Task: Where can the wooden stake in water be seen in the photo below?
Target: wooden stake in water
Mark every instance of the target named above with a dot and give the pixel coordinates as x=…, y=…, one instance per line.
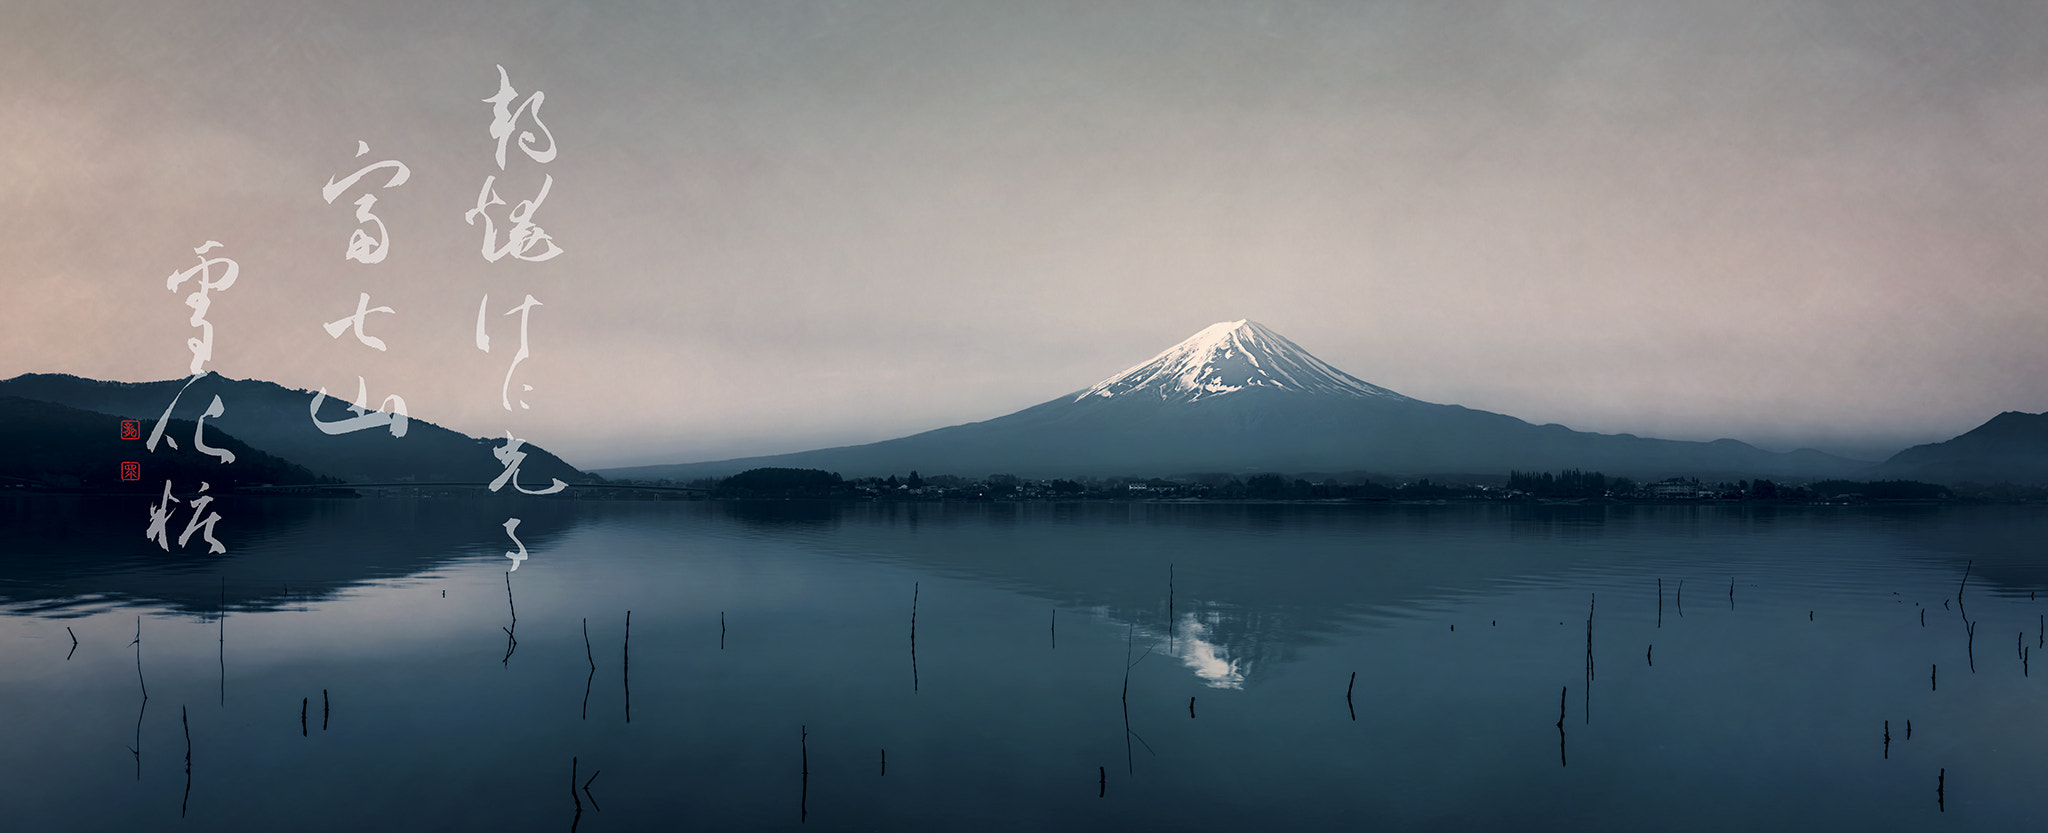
x=323, y=710
x=138, y=659
x=136, y=750
x=187, y=720
x=1347, y=697
x=1561, y=693
x=511, y=633
x=1971, y=627
x=592, y=676
x=1959, y=593
x=914, y=587
x=1129, y=637
x=626, y=666
x=1589, y=658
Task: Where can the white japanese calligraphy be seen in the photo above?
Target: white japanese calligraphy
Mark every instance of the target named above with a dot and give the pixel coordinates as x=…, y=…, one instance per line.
x=160, y=516
x=157, y=433
x=504, y=115
x=363, y=309
x=523, y=236
x=510, y=525
x=199, y=431
x=202, y=347
x=205, y=527
x=483, y=342
x=510, y=455
x=362, y=246
x=363, y=418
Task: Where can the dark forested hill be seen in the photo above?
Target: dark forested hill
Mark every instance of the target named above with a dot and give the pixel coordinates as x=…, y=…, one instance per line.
x=280, y=421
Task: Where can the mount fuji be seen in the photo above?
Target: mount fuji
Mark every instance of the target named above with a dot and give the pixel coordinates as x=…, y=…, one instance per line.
x=1238, y=397
x=1231, y=357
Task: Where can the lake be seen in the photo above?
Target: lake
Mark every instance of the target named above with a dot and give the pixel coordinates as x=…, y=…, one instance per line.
x=1084, y=666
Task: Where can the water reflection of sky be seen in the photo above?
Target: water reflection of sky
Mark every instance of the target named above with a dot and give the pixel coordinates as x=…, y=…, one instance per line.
x=1455, y=714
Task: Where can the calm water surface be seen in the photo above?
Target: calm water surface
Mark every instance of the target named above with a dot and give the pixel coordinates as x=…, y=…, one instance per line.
x=770, y=668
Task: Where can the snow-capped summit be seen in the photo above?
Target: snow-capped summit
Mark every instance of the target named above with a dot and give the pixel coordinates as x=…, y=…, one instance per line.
x=1232, y=356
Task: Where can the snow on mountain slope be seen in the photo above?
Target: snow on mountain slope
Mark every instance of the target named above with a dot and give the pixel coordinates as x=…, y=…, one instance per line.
x=1232, y=356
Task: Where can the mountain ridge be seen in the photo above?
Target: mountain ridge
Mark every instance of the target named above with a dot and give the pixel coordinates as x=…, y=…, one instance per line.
x=65, y=447
x=2011, y=447
x=1238, y=397
x=279, y=420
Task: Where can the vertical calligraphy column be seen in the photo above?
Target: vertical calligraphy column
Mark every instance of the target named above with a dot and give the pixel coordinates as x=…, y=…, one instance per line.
x=204, y=283
x=368, y=245
x=520, y=238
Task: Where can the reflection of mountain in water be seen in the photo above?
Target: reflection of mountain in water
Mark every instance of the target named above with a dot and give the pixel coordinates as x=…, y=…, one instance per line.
x=1209, y=660
x=74, y=553
x=783, y=514
x=1253, y=582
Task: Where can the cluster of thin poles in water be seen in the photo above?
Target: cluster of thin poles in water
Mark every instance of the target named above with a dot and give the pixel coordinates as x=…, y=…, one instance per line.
x=580, y=791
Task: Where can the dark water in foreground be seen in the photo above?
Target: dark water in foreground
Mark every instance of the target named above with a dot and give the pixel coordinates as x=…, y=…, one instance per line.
x=1464, y=625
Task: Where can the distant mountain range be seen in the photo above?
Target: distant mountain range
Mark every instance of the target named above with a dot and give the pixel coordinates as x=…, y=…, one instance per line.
x=1235, y=398
x=1240, y=398
x=2012, y=447
x=257, y=416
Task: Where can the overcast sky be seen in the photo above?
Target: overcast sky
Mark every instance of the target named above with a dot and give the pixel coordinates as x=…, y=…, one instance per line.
x=786, y=225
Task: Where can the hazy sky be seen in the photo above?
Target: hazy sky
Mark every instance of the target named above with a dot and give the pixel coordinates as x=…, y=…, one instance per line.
x=794, y=224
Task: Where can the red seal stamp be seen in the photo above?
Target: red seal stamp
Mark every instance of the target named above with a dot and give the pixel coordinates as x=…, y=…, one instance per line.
x=131, y=429
x=131, y=471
